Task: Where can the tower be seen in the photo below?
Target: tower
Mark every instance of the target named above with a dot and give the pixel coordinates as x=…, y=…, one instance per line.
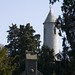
x=51, y=37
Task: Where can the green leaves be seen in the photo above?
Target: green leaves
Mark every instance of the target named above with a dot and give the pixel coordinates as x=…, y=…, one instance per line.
x=6, y=66
x=66, y=24
x=20, y=39
x=23, y=38
x=45, y=61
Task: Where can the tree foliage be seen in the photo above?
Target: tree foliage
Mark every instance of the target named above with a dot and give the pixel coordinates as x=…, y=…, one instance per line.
x=53, y=1
x=20, y=39
x=6, y=66
x=66, y=24
x=46, y=61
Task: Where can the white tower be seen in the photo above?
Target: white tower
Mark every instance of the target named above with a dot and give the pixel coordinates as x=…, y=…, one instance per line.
x=51, y=37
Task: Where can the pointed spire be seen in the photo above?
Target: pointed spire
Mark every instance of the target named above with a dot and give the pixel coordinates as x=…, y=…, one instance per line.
x=50, y=17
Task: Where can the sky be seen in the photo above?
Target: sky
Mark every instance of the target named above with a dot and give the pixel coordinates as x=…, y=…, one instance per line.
x=23, y=12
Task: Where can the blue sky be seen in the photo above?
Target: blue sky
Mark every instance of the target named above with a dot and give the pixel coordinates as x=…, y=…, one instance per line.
x=23, y=12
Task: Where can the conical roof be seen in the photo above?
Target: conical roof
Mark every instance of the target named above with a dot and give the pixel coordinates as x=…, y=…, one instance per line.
x=50, y=18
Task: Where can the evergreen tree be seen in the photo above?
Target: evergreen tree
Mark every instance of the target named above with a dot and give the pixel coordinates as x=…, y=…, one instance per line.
x=6, y=63
x=12, y=39
x=66, y=24
x=21, y=39
x=46, y=61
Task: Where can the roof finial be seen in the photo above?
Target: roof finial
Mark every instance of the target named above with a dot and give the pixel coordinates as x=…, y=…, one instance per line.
x=50, y=7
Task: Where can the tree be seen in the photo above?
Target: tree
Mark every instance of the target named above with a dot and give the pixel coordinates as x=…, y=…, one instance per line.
x=19, y=40
x=66, y=24
x=6, y=66
x=12, y=39
x=22, y=38
x=27, y=39
x=46, y=61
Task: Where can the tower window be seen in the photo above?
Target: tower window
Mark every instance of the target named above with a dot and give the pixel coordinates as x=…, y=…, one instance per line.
x=54, y=30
